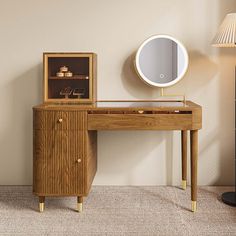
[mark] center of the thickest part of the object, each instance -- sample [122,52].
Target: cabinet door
[59,162]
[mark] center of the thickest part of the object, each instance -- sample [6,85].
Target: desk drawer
[139,121]
[59,120]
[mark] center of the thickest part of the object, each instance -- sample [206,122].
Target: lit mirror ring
[161,61]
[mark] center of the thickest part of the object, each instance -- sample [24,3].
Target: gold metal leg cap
[184,184]
[79,207]
[41,207]
[194,206]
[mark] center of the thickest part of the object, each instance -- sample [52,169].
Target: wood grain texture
[91,157]
[197,118]
[94,82]
[60,163]
[65,141]
[139,122]
[50,120]
[124,106]
[41,199]
[79,199]
[56,167]
[184,153]
[194,160]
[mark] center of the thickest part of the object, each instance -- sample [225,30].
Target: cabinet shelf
[77,77]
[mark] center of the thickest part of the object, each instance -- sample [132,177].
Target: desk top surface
[127,105]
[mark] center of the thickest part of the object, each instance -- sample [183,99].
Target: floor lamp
[226,37]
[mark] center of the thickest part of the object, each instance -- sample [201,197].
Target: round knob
[60,120]
[78,161]
[140,112]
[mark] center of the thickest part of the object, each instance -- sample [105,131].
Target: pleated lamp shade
[226,35]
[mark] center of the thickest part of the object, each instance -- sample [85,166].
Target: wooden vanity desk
[65,140]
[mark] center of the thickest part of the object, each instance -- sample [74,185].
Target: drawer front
[58,163]
[59,120]
[139,122]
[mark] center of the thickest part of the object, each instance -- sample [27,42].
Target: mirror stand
[173,95]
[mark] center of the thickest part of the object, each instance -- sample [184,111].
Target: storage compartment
[69,77]
[64,153]
[59,162]
[59,120]
[139,121]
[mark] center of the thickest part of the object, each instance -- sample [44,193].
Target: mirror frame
[155,84]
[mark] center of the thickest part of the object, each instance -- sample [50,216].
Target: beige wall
[114,30]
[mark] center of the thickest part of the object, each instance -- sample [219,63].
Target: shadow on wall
[226,114]
[197,73]
[137,88]
[224,132]
[121,159]
[196,76]
[24,92]
[133,84]
[202,70]
[226,103]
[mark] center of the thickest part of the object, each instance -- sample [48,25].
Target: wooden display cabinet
[70,77]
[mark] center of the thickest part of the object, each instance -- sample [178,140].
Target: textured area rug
[118,211]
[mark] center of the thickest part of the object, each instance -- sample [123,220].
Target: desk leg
[194,157]
[184,158]
[41,203]
[79,204]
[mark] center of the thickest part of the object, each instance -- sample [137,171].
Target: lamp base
[229,198]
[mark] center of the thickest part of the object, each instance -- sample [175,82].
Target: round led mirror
[161,61]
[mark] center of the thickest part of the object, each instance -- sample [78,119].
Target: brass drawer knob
[78,161]
[140,112]
[60,120]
